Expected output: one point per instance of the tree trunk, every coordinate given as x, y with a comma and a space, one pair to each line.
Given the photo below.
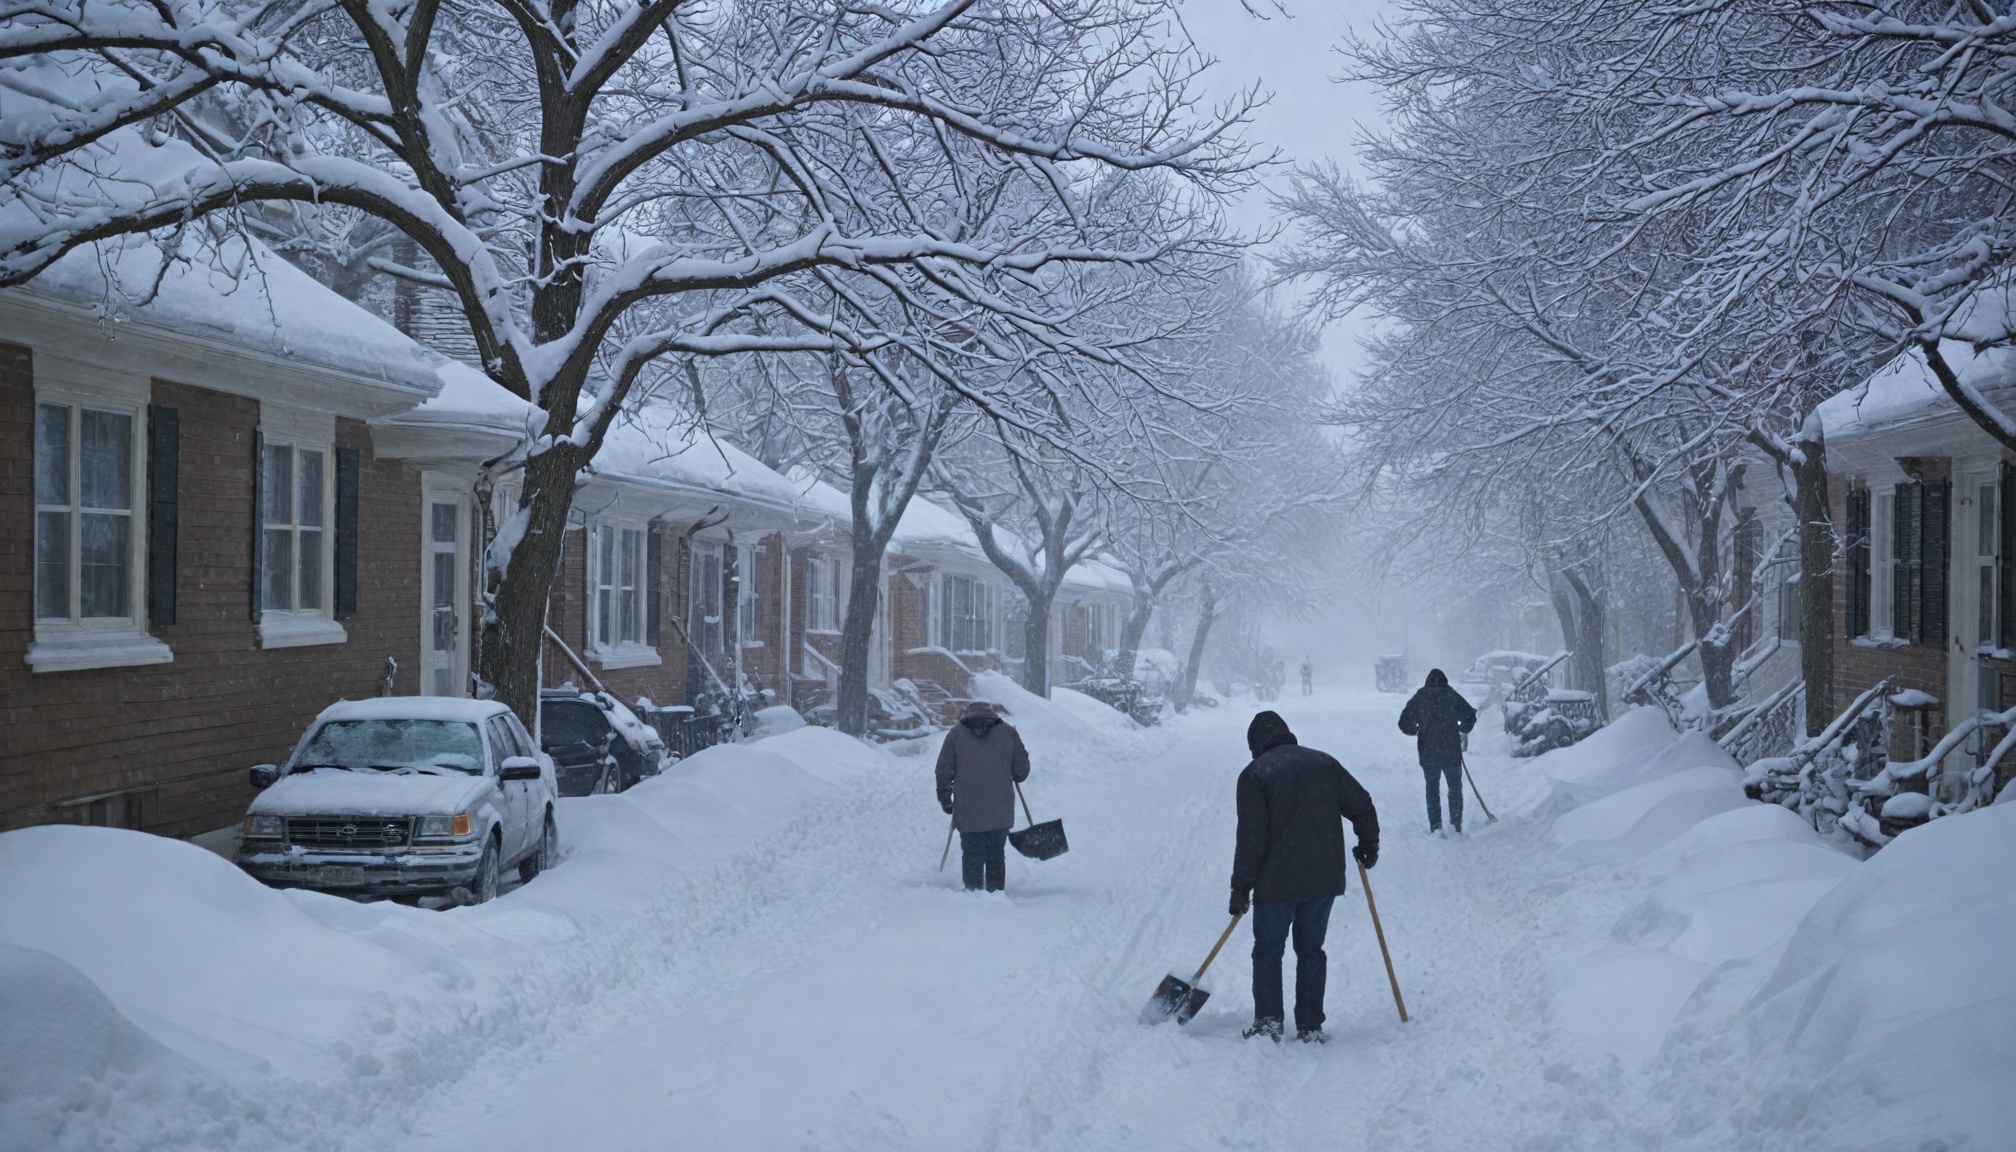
1582, 617
1206, 615
857, 635
1036, 642
513, 625
1816, 579
1139, 612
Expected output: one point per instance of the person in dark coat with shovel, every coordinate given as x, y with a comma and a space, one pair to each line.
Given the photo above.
979, 765
1289, 865
1438, 717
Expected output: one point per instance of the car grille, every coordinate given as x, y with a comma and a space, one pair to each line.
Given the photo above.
359, 832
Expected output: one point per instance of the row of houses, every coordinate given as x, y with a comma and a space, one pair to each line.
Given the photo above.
229, 500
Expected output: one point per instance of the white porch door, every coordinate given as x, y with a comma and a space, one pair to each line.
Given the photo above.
444, 645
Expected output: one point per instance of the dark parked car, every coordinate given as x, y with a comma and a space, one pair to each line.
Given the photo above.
597, 744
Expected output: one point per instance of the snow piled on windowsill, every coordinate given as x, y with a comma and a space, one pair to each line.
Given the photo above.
74, 651
285, 630
626, 656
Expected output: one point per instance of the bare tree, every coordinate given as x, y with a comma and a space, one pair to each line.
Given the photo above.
613, 184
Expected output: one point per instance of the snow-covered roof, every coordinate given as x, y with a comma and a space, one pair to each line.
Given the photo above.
656, 444
239, 293
1904, 393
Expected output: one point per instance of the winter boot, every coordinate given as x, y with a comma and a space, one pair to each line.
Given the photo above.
1312, 1036
1268, 1027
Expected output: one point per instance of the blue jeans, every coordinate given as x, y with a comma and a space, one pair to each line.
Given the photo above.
1272, 925
1434, 776
983, 859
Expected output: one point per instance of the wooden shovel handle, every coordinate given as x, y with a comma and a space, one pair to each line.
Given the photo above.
1365, 882
947, 854
1025, 803
1226, 935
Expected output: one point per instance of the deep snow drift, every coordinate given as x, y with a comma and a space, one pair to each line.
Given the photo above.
756, 951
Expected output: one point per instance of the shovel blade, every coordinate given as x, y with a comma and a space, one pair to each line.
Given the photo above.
1043, 841
1175, 999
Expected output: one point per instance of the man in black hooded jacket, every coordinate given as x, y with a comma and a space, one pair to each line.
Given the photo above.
1438, 717
1289, 865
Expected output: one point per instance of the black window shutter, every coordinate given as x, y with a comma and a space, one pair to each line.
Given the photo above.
654, 584
349, 467
1933, 519
1858, 562
2005, 551
1903, 550
258, 519
164, 466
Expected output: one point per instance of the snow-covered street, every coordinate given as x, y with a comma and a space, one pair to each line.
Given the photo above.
758, 952
856, 999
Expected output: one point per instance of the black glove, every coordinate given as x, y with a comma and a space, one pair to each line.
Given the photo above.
945, 802
1241, 900
1366, 856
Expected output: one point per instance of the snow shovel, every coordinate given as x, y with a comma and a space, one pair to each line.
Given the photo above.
1488, 818
1038, 841
1179, 998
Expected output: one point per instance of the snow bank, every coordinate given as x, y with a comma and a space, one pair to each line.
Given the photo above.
1069, 720
152, 987
1890, 1020
1785, 992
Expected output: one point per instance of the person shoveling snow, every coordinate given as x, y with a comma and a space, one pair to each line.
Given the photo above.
979, 765
1289, 865
1438, 717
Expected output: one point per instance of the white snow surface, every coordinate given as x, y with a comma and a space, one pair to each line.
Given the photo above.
757, 951
239, 291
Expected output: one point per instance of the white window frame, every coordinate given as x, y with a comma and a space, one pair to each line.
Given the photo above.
76, 642
821, 608
1882, 523
300, 625
748, 617
978, 618
624, 645
1987, 530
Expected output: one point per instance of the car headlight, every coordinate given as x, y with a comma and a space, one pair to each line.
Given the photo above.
438, 827
265, 827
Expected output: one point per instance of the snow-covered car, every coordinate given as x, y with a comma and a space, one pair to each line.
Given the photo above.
585, 731
404, 797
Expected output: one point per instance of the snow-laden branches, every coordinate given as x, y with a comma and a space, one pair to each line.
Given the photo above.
604, 189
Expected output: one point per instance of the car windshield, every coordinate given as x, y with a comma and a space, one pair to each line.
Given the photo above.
438, 747
563, 722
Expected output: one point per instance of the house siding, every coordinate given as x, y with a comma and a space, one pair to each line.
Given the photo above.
186, 731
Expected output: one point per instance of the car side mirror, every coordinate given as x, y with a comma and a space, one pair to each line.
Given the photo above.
518, 768
265, 775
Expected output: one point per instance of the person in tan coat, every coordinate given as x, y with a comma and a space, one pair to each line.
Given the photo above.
979, 765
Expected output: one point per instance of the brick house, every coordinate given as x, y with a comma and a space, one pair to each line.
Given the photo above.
668, 532
1926, 504
185, 578
229, 502
947, 612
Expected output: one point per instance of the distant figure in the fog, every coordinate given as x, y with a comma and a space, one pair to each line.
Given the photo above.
979, 765
1308, 676
1438, 717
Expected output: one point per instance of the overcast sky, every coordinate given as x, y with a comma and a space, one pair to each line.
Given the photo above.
1310, 117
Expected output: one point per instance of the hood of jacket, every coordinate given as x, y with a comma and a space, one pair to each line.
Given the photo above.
1436, 679
980, 717
1266, 731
